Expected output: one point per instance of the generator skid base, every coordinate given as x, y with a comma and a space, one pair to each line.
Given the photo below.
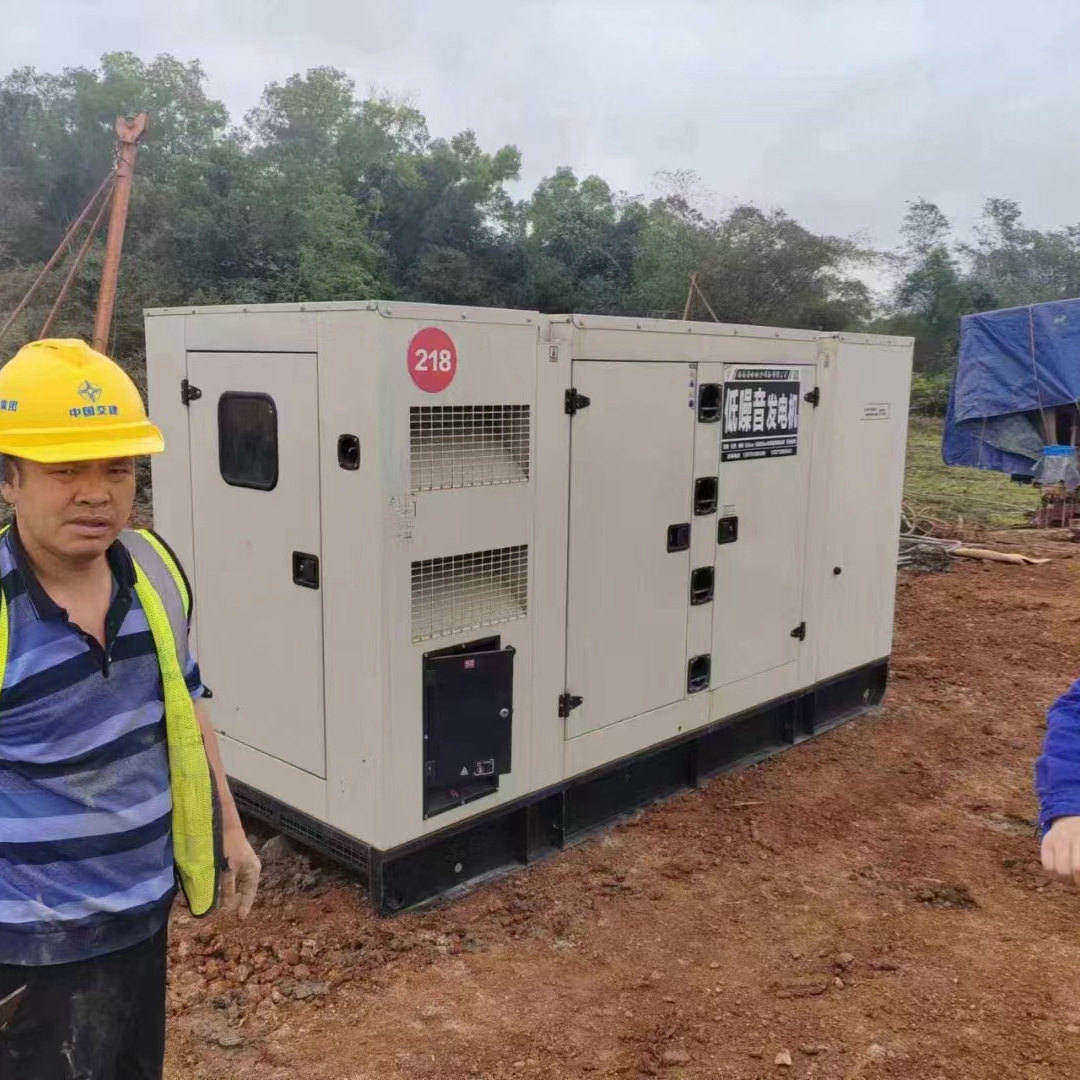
471, 582
534, 828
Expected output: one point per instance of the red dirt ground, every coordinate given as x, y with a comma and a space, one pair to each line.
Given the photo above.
869, 904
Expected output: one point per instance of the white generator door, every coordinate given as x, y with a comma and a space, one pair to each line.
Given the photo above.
764, 482
631, 459
255, 493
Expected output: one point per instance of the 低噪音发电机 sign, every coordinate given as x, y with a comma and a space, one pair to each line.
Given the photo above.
761, 414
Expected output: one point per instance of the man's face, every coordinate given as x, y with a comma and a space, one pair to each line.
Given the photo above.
72, 509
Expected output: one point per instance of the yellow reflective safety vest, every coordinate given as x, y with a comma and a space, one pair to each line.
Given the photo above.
196, 814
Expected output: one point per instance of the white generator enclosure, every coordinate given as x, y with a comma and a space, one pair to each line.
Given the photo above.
470, 582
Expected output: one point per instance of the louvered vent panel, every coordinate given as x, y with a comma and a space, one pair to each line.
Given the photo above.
461, 446
455, 593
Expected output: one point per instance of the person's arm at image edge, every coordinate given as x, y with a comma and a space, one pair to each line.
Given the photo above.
1057, 783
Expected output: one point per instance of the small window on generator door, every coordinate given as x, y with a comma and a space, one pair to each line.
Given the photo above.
248, 440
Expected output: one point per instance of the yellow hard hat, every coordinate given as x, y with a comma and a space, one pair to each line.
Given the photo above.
62, 401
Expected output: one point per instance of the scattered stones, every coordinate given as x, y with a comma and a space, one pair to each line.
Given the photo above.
946, 896
800, 988
216, 1032
276, 849
884, 965
674, 1057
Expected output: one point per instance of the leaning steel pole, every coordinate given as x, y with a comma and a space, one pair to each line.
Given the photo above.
128, 133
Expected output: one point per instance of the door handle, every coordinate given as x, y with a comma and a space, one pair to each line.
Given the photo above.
706, 491
708, 410
678, 537
305, 569
701, 585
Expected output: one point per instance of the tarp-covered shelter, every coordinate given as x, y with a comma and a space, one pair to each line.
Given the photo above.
1016, 369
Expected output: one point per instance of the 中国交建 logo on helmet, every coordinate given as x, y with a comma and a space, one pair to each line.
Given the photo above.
89, 392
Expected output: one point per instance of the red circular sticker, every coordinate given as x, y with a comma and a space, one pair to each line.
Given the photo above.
432, 359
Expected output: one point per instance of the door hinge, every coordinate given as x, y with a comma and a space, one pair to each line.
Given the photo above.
576, 401
799, 632
188, 392
813, 397
567, 704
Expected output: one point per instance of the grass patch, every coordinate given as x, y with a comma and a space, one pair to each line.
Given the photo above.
948, 492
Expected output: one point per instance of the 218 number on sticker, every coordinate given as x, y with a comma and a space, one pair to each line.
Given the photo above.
432, 359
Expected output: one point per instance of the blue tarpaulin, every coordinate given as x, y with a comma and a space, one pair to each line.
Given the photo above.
1012, 364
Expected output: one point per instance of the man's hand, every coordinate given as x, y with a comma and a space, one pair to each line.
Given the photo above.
240, 881
1061, 848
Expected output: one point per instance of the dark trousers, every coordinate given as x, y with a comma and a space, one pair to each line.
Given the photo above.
100, 1019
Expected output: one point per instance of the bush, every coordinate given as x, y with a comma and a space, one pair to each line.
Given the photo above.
930, 393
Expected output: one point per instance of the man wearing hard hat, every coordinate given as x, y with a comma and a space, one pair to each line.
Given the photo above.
111, 784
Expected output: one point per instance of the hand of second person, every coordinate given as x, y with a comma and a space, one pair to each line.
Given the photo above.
1061, 848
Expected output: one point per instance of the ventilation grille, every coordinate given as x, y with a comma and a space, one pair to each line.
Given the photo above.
466, 592
460, 446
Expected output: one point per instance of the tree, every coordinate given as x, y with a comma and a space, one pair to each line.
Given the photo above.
932, 294
1012, 265
57, 137
580, 244
754, 266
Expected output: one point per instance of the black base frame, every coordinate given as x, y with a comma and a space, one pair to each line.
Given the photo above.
544, 822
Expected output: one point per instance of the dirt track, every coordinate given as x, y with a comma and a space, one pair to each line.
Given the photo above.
870, 902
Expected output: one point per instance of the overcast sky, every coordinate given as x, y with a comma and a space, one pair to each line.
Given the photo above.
836, 111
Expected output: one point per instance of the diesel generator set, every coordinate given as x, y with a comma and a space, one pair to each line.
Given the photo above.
471, 582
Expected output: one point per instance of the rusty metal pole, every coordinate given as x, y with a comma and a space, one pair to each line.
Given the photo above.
128, 133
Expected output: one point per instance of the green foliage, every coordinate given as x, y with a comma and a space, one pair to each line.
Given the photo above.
1008, 265
753, 266
930, 393
321, 193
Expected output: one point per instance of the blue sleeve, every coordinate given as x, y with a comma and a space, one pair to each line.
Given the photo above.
193, 678
1057, 771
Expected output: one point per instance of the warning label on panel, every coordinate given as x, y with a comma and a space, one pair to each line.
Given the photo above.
761, 414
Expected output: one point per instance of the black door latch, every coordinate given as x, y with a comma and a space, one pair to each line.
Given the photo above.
575, 402
305, 569
568, 703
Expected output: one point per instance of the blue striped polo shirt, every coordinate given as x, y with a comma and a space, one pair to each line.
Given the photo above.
86, 864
